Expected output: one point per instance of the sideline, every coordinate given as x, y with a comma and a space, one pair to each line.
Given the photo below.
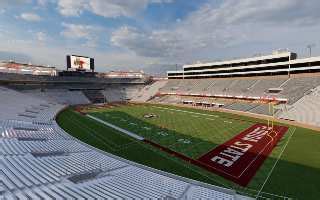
116, 128
243, 113
185, 111
270, 173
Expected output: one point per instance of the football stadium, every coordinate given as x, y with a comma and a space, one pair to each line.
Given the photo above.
234, 129
83, 134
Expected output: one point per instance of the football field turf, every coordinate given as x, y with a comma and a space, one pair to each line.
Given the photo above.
189, 133
193, 133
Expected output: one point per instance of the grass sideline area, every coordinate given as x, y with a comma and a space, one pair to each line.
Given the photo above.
194, 132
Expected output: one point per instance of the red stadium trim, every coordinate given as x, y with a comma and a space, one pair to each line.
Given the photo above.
245, 167
240, 158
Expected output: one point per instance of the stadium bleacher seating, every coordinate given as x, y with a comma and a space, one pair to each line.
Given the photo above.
305, 110
147, 92
262, 85
38, 160
95, 96
61, 96
11, 77
291, 88
241, 106
296, 88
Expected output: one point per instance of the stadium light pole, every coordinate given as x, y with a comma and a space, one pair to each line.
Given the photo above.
310, 46
269, 114
273, 116
289, 64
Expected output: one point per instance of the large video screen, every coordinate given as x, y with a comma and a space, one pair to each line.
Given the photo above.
80, 62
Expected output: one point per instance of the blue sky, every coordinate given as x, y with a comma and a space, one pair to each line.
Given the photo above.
140, 34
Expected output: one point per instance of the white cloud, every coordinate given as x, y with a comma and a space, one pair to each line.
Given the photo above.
105, 8
82, 31
41, 36
213, 28
13, 2
113, 8
43, 3
31, 17
76, 31
161, 1
71, 7
232, 12
151, 44
54, 55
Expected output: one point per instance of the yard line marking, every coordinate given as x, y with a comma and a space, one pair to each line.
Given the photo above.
162, 133
185, 111
83, 126
285, 146
117, 128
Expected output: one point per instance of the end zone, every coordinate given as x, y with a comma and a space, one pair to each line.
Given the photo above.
240, 158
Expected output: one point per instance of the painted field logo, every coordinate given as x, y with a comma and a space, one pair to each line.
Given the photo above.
239, 158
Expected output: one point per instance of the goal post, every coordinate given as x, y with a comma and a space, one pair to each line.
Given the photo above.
271, 113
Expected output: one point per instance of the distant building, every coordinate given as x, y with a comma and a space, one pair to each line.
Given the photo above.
123, 74
22, 68
278, 63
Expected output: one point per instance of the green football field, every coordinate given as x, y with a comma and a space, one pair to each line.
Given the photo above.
291, 170
186, 132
